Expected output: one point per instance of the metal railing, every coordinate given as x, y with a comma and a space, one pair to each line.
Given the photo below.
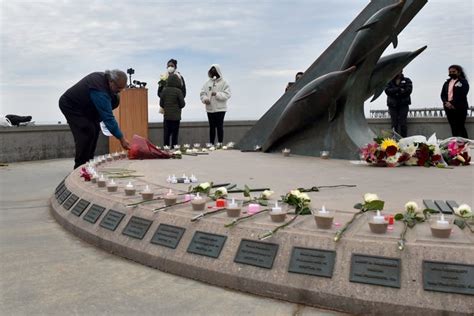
423, 112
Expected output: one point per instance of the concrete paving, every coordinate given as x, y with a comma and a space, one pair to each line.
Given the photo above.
47, 271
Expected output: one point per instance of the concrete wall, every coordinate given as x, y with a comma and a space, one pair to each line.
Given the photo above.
56, 141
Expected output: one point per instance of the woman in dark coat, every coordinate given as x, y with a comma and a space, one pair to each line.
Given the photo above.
172, 101
454, 97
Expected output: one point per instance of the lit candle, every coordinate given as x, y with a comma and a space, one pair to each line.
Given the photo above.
276, 208
253, 208
378, 219
198, 203
323, 210
173, 179
147, 189
193, 178
170, 192
186, 180
168, 179
129, 185
442, 223
233, 204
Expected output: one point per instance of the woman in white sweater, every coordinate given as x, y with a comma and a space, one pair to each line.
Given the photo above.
214, 94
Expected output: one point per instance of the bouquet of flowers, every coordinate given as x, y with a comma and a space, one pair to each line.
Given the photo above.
410, 151
383, 152
455, 151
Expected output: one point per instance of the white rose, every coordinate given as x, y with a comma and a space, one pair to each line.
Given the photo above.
305, 197
369, 197
204, 185
463, 210
212, 148
267, 194
221, 191
411, 206
224, 147
295, 193
178, 152
392, 159
410, 149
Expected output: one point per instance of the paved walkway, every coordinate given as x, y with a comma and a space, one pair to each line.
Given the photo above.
47, 271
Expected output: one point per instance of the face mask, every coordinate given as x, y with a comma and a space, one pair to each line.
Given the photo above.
171, 69
214, 78
453, 76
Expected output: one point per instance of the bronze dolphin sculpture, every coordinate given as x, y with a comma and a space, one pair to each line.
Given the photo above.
375, 31
312, 101
386, 69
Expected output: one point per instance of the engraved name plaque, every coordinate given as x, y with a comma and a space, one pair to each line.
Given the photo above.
375, 270
448, 277
312, 261
256, 253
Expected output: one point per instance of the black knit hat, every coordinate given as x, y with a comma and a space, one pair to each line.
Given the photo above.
173, 61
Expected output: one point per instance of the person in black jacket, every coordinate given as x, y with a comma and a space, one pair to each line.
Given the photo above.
398, 100
89, 102
454, 97
172, 101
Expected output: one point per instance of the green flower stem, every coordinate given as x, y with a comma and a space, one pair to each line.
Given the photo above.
168, 206
144, 202
402, 241
208, 213
341, 231
469, 226
251, 190
125, 176
238, 220
273, 232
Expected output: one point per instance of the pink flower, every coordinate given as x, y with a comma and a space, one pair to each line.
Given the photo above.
86, 175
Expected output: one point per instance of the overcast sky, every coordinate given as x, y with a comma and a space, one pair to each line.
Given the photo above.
47, 46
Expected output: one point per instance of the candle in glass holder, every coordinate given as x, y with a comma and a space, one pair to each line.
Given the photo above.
193, 179
147, 194
233, 209
378, 224
130, 189
94, 177
115, 156
170, 198
109, 157
441, 228
101, 182
112, 186
277, 214
198, 203
324, 218
286, 152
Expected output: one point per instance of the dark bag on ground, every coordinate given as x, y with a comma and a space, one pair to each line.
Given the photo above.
17, 119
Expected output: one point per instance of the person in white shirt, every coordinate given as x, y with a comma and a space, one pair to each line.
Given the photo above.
214, 94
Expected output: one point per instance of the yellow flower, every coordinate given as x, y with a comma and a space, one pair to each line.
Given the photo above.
388, 142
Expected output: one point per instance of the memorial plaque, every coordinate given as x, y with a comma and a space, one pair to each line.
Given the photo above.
431, 205
312, 261
64, 196
61, 190
443, 207
452, 204
205, 244
60, 185
256, 253
111, 220
375, 270
168, 236
448, 277
80, 207
94, 213
70, 201
137, 227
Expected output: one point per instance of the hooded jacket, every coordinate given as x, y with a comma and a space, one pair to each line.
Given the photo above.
222, 90
172, 99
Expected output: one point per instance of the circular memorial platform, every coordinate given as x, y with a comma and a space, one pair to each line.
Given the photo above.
363, 273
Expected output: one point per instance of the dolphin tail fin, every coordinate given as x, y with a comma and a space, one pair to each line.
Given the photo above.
332, 110
377, 93
395, 41
366, 26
